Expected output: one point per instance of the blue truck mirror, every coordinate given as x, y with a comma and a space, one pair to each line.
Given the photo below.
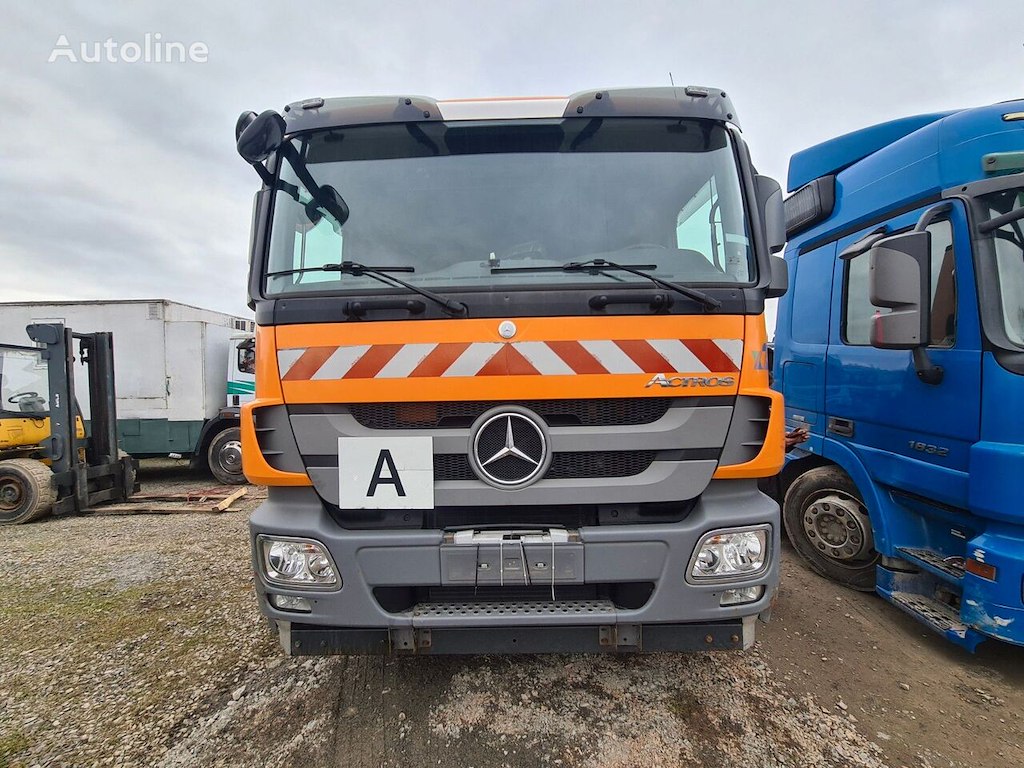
769, 203
898, 281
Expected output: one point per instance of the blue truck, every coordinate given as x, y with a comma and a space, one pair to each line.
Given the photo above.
900, 349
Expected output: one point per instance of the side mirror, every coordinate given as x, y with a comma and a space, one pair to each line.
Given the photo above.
769, 203
898, 279
779, 283
261, 136
243, 122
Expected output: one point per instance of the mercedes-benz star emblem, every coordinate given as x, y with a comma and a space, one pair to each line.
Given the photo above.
509, 447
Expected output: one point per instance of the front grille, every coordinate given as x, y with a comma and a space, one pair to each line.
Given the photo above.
599, 464
568, 465
452, 466
556, 413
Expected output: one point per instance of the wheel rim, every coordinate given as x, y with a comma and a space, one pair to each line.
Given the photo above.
230, 457
837, 525
12, 492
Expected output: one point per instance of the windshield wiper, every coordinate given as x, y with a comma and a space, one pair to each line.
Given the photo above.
597, 266
381, 274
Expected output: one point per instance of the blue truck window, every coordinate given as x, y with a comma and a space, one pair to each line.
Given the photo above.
1009, 264
858, 310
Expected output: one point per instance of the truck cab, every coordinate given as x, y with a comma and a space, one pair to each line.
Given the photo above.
510, 391
900, 347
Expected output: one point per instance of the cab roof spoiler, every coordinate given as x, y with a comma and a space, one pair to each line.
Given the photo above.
832, 156
682, 101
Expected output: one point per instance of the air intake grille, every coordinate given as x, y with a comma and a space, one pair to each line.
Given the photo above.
557, 413
274, 437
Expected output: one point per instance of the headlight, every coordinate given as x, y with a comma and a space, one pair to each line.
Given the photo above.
297, 562
735, 554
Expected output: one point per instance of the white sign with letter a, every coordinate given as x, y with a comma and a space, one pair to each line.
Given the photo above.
386, 472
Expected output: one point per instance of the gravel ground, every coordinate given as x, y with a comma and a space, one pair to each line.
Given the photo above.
135, 640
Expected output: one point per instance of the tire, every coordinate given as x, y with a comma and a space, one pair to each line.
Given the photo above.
225, 456
27, 491
827, 523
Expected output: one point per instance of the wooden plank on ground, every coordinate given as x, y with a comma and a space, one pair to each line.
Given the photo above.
223, 506
155, 509
174, 503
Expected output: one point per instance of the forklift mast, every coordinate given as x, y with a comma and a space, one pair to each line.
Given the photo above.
103, 475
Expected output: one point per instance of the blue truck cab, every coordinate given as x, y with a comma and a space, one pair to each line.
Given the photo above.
900, 348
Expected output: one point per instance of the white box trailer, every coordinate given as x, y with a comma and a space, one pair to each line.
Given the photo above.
180, 373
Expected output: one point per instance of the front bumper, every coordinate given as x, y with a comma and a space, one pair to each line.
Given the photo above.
311, 640
678, 615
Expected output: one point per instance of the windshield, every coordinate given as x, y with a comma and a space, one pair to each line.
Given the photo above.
1009, 254
455, 201
23, 382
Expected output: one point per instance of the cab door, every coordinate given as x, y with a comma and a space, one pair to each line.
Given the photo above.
909, 435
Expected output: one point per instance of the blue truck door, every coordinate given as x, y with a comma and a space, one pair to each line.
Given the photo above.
802, 341
907, 434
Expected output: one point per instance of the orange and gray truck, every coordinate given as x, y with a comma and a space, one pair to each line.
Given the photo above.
512, 390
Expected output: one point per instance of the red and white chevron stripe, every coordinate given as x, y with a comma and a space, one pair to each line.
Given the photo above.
518, 358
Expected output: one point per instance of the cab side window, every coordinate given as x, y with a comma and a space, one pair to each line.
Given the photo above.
858, 310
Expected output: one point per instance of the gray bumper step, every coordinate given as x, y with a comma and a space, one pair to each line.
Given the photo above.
506, 612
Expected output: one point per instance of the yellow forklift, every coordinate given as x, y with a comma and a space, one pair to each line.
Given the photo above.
49, 462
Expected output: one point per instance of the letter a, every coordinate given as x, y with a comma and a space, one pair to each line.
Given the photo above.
392, 476
62, 48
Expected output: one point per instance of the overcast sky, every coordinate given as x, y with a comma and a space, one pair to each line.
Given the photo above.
120, 180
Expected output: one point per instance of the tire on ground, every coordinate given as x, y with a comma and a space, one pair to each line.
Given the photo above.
27, 491
812, 485
225, 456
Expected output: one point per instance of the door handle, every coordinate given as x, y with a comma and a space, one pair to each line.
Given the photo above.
843, 427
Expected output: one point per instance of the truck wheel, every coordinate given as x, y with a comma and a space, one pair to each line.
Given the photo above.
828, 524
225, 456
27, 491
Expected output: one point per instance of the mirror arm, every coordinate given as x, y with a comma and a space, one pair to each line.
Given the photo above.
295, 160
853, 250
931, 214
264, 174
299, 166
927, 372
